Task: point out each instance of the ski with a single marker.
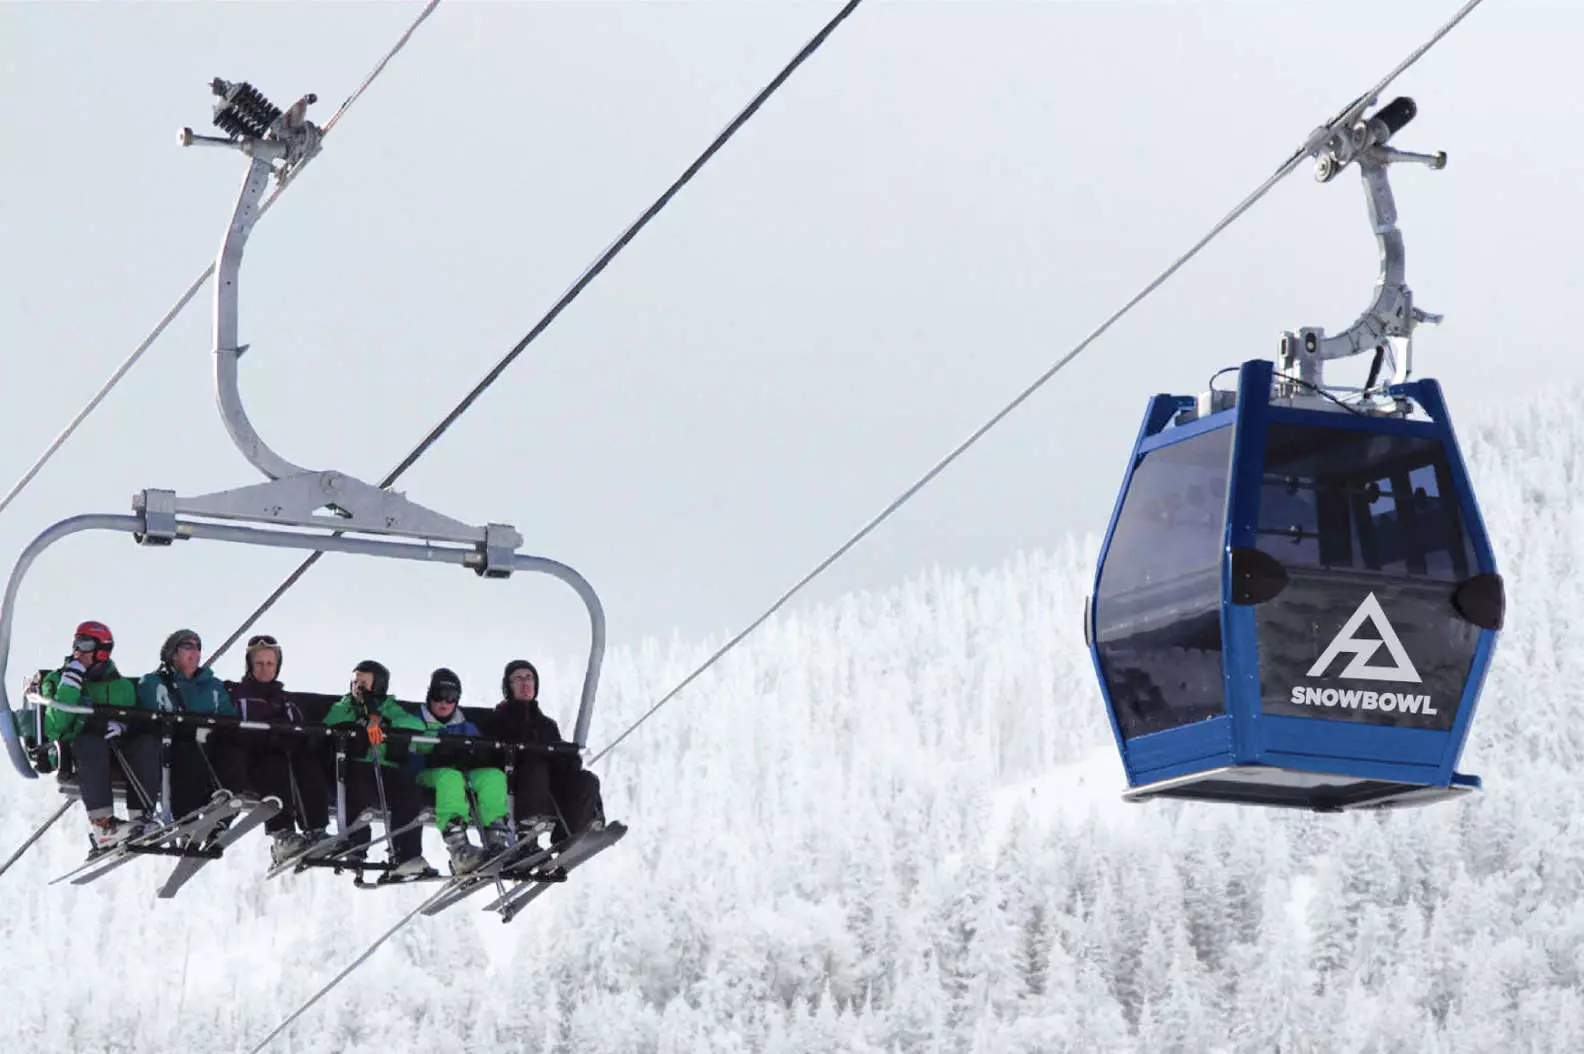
(303, 858)
(579, 851)
(188, 867)
(385, 881)
(324, 849)
(340, 850)
(155, 842)
(460, 887)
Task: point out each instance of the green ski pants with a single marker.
(450, 791)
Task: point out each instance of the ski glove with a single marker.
(114, 729)
(72, 674)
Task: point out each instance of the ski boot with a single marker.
(465, 856)
(530, 829)
(496, 840)
(107, 832)
(410, 868)
(286, 844)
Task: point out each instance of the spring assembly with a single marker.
(243, 110)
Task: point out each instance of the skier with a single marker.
(288, 768)
(372, 709)
(200, 771)
(555, 791)
(89, 671)
(442, 715)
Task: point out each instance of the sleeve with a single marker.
(222, 700)
(340, 712)
(59, 724)
(148, 692)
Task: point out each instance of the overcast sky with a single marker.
(937, 206)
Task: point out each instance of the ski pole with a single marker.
(132, 780)
(376, 737)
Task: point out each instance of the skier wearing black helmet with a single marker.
(371, 707)
(555, 790)
(442, 715)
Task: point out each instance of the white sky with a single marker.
(937, 206)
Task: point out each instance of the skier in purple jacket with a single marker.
(288, 768)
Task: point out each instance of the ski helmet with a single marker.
(99, 634)
(264, 642)
(444, 685)
(381, 686)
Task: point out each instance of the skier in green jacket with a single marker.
(89, 677)
(371, 707)
(442, 715)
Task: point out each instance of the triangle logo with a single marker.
(1363, 649)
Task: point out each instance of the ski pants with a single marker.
(450, 788)
(294, 773)
(571, 797)
(196, 766)
(94, 759)
(401, 795)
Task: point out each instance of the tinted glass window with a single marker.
(1158, 606)
(1352, 501)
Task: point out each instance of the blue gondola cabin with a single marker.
(1296, 602)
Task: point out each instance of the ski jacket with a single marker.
(202, 693)
(457, 725)
(263, 700)
(104, 686)
(520, 722)
(348, 710)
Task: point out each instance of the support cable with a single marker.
(1357, 107)
(198, 283)
(577, 287)
(1314, 142)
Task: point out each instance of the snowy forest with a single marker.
(892, 824)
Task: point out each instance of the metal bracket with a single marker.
(283, 140)
(298, 501)
(1388, 323)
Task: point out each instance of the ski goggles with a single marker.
(264, 639)
(90, 644)
(446, 694)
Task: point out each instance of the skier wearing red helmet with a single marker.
(90, 676)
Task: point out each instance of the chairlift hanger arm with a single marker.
(278, 142)
(1391, 317)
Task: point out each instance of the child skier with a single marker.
(442, 715)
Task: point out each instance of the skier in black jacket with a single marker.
(554, 790)
(293, 770)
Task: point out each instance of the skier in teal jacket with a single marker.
(199, 771)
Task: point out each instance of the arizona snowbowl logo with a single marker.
(1359, 668)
